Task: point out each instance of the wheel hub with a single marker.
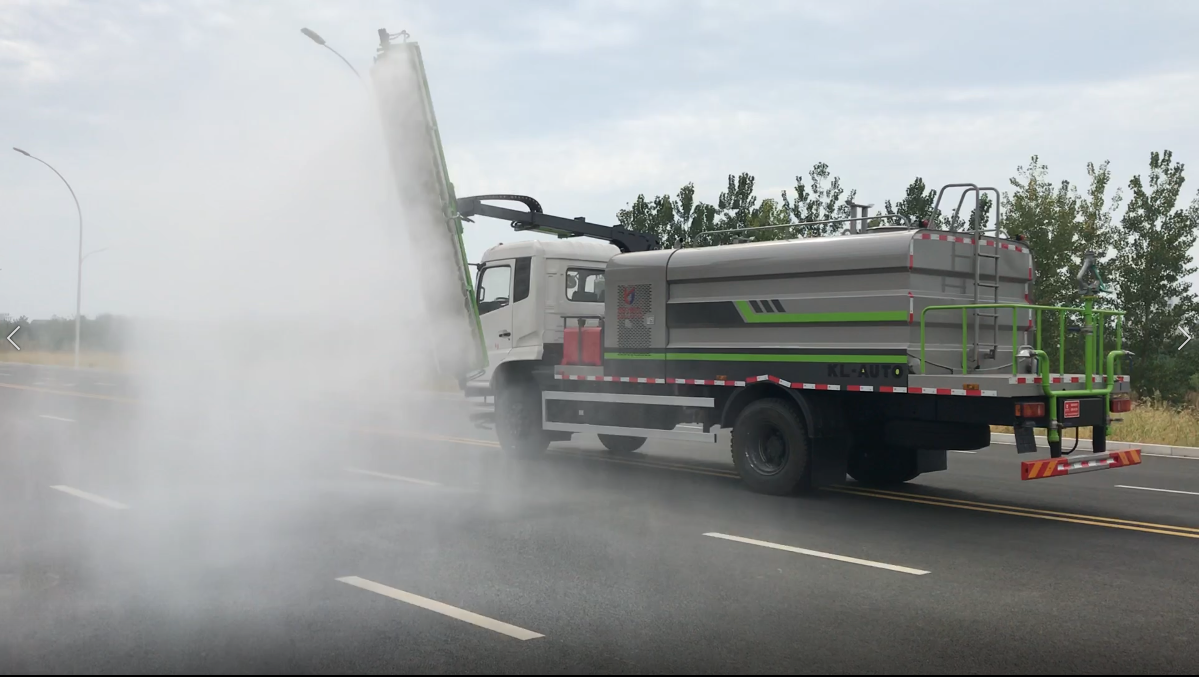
(769, 455)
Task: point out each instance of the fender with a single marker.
(822, 415)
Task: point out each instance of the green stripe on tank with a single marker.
(759, 357)
(748, 313)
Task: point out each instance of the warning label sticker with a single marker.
(1072, 409)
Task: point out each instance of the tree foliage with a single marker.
(1155, 237)
(815, 201)
(103, 333)
(1060, 225)
(681, 220)
(919, 205)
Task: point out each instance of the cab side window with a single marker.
(494, 288)
(584, 285)
(520, 288)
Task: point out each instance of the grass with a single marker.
(87, 360)
(1149, 422)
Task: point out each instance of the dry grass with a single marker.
(1149, 422)
(88, 360)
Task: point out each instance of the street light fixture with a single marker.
(79, 268)
(312, 35)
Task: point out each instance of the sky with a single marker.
(211, 145)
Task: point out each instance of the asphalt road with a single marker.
(395, 538)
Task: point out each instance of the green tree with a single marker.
(814, 201)
(1151, 265)
(1060, 225)
(676, 221)
(737, 205)
(653, 216)
(682, 220)
(917, 203)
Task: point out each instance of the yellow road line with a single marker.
(883, 493)
(1166, 530)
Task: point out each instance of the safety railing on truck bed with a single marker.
(1093, 341)
(1093, 333)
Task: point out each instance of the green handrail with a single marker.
(1043, 359)
(1094, 356)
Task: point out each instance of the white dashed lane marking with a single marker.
(99, 500)
(397, 478)
(822, 555)
(443, 609)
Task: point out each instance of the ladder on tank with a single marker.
(986, 282)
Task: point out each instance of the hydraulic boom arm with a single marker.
(625, 240)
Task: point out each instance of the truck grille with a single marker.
(634, 307)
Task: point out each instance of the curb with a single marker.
(1112, 445)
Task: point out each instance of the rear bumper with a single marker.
(1071, 465)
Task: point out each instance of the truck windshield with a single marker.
(584, 285)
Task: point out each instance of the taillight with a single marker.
(1030, 410)
(1122, 405)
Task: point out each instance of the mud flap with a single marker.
(429, 216)
(830, 461)
(1026, 440)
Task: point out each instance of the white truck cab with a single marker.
(523, 290)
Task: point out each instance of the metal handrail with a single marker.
(1092, 352)
(907, 221)
(977, 190)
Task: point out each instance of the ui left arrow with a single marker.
(14, 333)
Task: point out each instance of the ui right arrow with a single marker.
(14, 333)
(1186, 334)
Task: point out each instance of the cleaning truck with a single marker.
(871, 354)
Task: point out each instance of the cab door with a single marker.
(494, 293)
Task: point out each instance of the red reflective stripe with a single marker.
(785, 383)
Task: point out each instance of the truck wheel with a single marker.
(882, 465)
(621, 444)
(518, 419)
(770, 447)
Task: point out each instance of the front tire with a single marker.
(518, 419)
(621, 444)
(770, 447)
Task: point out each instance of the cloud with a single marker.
(843, 124)
(153, 104)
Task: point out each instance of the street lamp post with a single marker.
(312, 35)
(79, 267)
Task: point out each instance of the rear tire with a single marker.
(882, 466)
(518, 419)
(770, 447)
(621, 444)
